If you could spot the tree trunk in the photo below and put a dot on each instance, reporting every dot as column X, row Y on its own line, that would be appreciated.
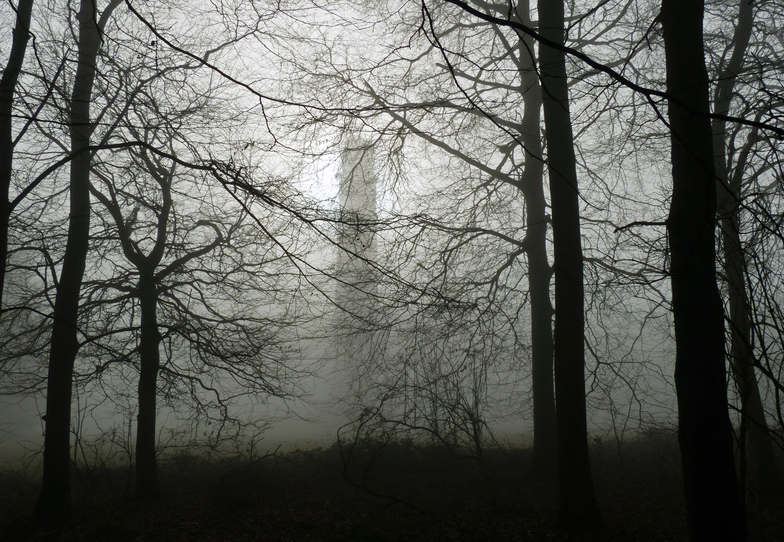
column 7, row 90
column 578, row 507
column 712, row 501
column 544, row 465
column 765, row 471
column 54, row 500
column 147, row 487
column 766, row 475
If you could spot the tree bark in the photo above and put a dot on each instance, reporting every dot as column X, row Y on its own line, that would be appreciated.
column 579, row 509
column 54, row 500
column 7, row 90
column 544, row 464
column 713, row 504
column 147, row 487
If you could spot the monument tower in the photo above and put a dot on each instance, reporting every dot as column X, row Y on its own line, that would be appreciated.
column 355, row 317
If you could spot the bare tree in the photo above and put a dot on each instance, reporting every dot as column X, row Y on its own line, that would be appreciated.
column 183, row 303
column 578, row 506
column 729, row 182
column 54, row 499
column 705, row 432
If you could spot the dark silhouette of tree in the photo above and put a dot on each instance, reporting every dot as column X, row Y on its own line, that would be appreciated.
column 203, row 273
column 166, row 252
column 544, row 462
column 54, row 499
column 712, row 499
column 7, row 143
column 578, row 507
column 150, row 276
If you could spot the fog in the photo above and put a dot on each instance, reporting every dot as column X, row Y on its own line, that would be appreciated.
column 346, row 353
column 377, row 248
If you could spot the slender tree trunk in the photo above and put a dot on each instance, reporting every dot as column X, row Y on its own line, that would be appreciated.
column 147, row 487
column 7, row 89
column 54, row 500
column 765, row 471
column 578, row 507
column 713, row 504
column 544, row 464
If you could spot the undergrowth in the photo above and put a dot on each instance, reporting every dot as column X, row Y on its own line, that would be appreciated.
column 373, row 491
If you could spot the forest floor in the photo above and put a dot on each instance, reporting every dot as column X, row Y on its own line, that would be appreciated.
column 398, row 492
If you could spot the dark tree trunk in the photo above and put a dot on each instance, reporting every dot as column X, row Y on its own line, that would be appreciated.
column 54, row 500
column 147, row 487
column 150, row 278
column 544, row 464
column 766, row 475
column 7, row 89
column 578, row 507
column 712, row 500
